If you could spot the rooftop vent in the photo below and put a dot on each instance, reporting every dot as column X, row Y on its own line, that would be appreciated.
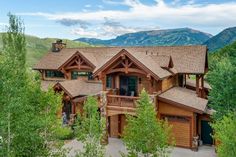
column 58, row 46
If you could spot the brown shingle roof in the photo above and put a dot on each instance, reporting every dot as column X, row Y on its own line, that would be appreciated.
column 46, row 84
column 81, row 87
column 162, row 60
column 151, row 64
column 186, row 59
column 184, row 98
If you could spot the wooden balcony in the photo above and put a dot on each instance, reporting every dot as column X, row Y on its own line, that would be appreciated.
column 118, row 104
column 121, row 101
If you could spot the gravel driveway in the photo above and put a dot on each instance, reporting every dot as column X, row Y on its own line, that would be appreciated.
column 116, row 145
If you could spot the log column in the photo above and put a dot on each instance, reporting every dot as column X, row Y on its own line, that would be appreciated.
column 202, row 86
column 103, row 111
column 103, row 78
column 197, row 84
column 150, row 90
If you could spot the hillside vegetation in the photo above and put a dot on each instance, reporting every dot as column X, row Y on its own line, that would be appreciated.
column 228, row 52
column 226, row 37
column 168, row 37
column 37, row 47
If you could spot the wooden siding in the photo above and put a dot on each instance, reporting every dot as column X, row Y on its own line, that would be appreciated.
column 187, row 132
column 143, row 82
column 168, row 83
column 114, row 130
column 165, row 108
column 123, row 123
column 117, row 124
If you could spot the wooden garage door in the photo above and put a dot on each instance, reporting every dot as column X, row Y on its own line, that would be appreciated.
column 181, row 130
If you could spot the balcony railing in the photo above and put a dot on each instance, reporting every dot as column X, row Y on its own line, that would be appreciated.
column 121, row 101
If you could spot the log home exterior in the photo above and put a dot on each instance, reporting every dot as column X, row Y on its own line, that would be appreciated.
column 120, row 73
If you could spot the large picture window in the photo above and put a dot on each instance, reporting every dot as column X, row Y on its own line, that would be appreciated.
column 52, row 74
column 76, row 74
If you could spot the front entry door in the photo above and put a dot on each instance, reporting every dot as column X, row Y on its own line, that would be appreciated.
column 206, row 132
column 128, row 85
column 67, row 109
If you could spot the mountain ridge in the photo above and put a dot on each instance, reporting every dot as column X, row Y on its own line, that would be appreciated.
column 165, row 37
column 222, row 39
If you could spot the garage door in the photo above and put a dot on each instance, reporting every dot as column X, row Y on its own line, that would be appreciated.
column 181, row 130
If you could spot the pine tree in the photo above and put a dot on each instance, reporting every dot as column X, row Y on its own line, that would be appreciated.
column 145, row 134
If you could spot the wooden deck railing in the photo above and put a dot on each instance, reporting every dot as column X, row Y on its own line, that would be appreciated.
column 121, row 101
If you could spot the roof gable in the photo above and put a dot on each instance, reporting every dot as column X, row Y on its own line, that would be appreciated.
column 77, row 61
column 144, row 65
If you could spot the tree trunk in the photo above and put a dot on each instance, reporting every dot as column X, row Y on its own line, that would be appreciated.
column 9, row 134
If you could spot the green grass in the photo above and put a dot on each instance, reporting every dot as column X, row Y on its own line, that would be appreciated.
column 38, row 47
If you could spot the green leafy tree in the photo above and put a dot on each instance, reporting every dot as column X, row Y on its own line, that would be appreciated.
column 222, row 78
column 145, row 134
column 89, row 129
column 225, row 134
column 27, row 113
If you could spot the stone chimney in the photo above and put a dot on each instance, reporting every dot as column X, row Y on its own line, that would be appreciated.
column 58, row 46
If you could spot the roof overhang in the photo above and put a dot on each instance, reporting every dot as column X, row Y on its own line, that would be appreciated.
column 184, row 98
column 135, row 60
column 77, row 53
column 180, row 105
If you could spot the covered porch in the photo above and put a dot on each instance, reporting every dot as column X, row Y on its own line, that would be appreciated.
column 124, row 77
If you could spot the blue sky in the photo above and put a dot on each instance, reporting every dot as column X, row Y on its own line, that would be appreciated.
column 109, row 18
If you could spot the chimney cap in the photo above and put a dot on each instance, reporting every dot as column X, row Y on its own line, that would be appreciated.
column 59, row 41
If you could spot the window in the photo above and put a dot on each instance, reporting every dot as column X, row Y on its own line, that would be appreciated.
column 176, row 118
column 109, row 82
column 52, row 74
column 76, row 74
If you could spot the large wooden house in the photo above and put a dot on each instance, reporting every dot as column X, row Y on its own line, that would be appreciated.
column 123, row 72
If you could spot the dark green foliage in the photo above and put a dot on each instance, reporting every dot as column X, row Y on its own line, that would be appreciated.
column 171, row 37
column 144, row 133
column 222, row 77
column 225, row 134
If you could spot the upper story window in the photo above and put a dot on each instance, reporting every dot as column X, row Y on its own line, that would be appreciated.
column 109, row 82
column 53, row 74
column 76, row 74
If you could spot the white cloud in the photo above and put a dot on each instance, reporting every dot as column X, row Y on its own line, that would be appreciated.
column 161, row 14
column 84, row 33
column 87, row 6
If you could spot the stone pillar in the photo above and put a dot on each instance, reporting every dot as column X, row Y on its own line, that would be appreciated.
column 103, row 111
